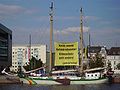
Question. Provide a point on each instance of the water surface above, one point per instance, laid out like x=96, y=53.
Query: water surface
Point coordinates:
x=60, y=87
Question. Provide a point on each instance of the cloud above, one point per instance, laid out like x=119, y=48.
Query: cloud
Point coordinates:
x=71, y=30
x=58, y=18
x=91, y=18
x=14, y=9
x=106, y=35
x=10, y=9
x=41, y=35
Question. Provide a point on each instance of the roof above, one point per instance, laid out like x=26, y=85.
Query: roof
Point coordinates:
x=95, y=69
x=63, y=71
x=5, y=29
x=26, y=45
x=94, y=49
x=114, y=51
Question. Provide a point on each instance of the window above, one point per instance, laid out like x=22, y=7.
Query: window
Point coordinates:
x=114, y=53
x=119, y=53
x=11, y=37
x=114, y=62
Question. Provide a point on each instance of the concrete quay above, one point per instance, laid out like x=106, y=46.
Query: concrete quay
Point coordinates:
x=5, y=79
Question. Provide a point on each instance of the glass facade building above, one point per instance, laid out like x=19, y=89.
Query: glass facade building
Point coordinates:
x=5, y=47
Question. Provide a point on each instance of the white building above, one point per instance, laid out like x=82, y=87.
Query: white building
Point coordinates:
x=21, y=55
x=94, y=50
x=113, y=58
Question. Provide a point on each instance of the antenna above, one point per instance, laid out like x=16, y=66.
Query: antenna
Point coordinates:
x=51, y=7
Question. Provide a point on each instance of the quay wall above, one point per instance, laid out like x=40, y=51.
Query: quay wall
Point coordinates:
x=9, y=80
x=116, y=79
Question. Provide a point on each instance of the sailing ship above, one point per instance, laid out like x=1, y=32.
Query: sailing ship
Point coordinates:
x=73, y=76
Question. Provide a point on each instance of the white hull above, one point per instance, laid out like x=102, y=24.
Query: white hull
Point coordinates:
x=46, y=82
x=81, y=82
x=99, y=81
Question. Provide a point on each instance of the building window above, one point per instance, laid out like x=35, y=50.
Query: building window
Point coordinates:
x=11, y=37
x=114, y=62
x=119, y=53
x=114, y=53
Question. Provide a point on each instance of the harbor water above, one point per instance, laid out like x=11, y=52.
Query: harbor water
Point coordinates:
x=60, y=87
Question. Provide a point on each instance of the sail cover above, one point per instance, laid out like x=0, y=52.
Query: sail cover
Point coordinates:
x=66, y=54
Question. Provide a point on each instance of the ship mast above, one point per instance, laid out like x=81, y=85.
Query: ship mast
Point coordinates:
x=29, y=51
x=30, y=46
x=51, y=35
x=81, y=41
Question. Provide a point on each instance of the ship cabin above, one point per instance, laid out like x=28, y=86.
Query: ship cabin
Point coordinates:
x=95, y=73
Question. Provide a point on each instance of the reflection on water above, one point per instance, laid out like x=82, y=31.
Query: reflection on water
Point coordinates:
x=61, y=87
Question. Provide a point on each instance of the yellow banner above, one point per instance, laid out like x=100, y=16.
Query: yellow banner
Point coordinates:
x=66, y=54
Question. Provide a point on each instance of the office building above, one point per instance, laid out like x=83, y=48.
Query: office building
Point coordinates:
x=5, y=47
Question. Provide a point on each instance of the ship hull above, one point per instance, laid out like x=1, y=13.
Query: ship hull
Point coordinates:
x=50, y=81
x=94, y=81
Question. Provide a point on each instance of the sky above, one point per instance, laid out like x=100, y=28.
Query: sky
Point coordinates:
x=101, y=18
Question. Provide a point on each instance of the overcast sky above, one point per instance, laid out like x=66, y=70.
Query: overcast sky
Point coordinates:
x=24, y=17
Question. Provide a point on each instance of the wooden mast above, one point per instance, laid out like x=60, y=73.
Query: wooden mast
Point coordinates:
x=30, y=46
x=29, y=51
x=51, y=35
x=81, y=41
